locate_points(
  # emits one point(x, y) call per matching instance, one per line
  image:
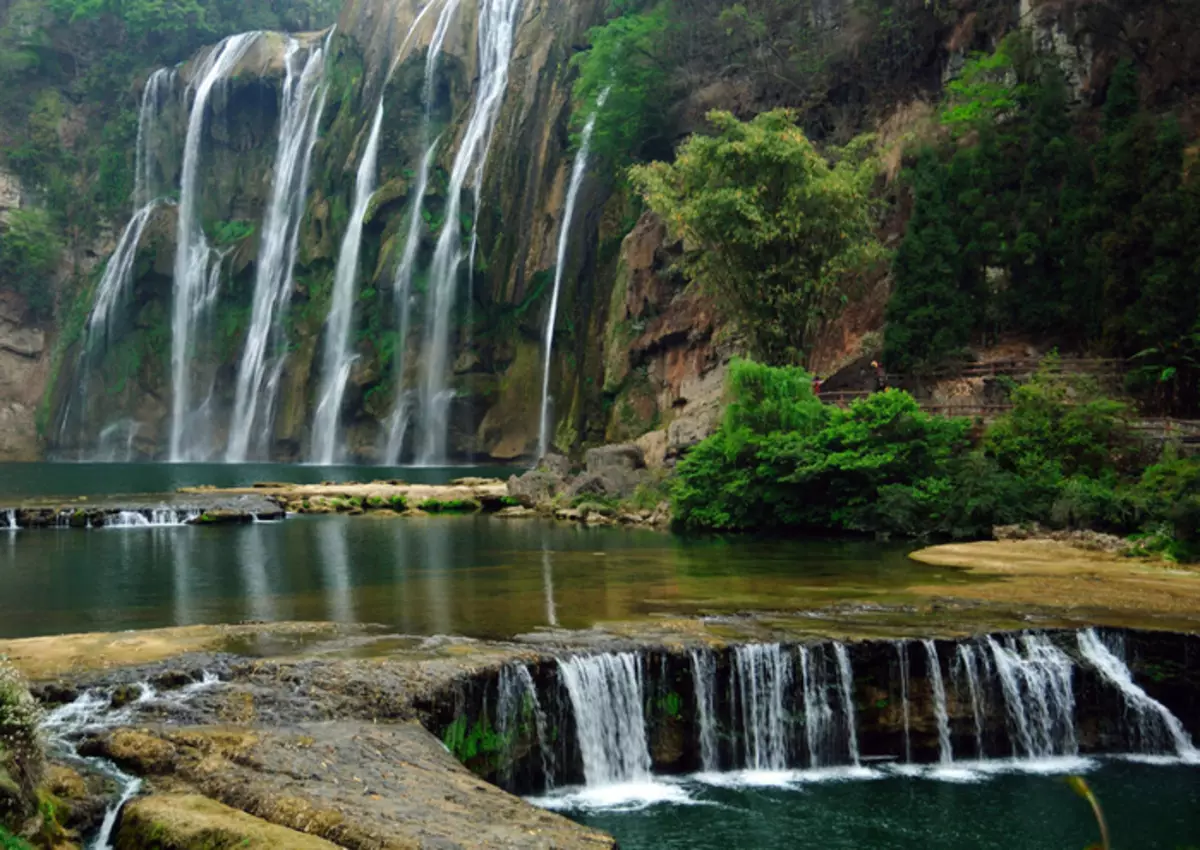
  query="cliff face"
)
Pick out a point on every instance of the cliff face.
point(635, 352)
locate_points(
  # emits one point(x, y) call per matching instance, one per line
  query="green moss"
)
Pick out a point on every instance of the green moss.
point(399, 503)
point(450, 505)
point(8, 841)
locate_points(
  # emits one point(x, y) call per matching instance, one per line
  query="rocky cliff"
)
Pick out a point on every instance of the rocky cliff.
point(636, 352)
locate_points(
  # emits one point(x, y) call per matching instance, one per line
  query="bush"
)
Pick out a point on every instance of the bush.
point(29, 253)
point(21, 754)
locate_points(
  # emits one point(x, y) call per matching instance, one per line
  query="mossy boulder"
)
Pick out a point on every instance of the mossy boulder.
point(192, 822)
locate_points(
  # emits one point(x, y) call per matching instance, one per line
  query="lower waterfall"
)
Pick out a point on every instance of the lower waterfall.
point(940, 713)
point(607, 696)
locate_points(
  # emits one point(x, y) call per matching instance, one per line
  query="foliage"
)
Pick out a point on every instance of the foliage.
point(30, 248)
point(1064, 456)
point(21, 753)
point(449, 505)
point(8, 841)
point(770, 225)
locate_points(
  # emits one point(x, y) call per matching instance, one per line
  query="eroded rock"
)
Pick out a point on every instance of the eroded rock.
point(193, 822)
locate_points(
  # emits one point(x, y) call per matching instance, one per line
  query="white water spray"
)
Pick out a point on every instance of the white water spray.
point(195, 284)
point(302, 103)
point(764, 677)
point(497, 27)
point(578, 172)
point(607, 697)
point(338, 357)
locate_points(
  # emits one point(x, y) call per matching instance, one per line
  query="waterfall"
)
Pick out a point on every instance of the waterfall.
point(945, 749)
point(1038, 695)
point(130, 786)
point(402, 285)
point(302, 103)
point(607, 699)
point(968, 667)
point(1152, 717)
point(517, 704)
point(846, 686)
point(497, 26)
point(578, 171)
point(704, 683)
point(157, 518)
point(195, 283)
point(764, 677)
point(338, 357)
point(10, 517)
point(902, 652)
point(818, 713)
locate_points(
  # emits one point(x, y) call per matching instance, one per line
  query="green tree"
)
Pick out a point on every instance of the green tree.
point(769, 225)
point(30, 248)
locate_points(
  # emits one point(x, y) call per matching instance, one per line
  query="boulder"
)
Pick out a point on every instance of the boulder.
point(555, 464)
point(535, 487)
point(192, 822)
point(619, 458)
point(27, 342)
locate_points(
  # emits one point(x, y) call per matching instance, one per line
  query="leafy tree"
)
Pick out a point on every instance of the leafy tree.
point(29, 252)
point(769, 225)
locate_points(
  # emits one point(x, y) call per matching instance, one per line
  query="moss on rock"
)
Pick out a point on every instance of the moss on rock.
point(192, 822)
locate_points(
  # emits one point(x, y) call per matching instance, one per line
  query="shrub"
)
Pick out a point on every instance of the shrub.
point(29, 252)
point(21, 754)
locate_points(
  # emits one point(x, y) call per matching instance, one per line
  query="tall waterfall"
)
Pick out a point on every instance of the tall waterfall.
point(302, 103)
point(607, 696)
point(764, 677)
point(1151, 717)
point(940, 713)
point(497, 26)
point(113, 288)
point(338, 358)
point(704, 675)
point(195, 280)
point(402, 286)
point(578, 171)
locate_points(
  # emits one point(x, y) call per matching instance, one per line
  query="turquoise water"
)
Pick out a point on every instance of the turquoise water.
point(1147, 807)
point(25, 480)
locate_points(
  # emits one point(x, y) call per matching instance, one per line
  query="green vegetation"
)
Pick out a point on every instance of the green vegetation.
point(30, 248)
point(771, 226)
point(21, 754)
point(1065, 456)
point(1020, 225)
point(445, 506)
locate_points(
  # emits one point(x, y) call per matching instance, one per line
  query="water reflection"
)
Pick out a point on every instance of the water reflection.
point(476, 576)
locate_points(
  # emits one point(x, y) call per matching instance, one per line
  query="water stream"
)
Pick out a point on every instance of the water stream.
point(940, 713)
point(196, 273)
point(607, 697)
point(338, 357)
point(704, 675)
point(497, 25)
point(578, 172)
point(302, 104)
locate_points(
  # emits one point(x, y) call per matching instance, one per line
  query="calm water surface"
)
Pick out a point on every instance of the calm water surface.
point(477, 575)
point(25, 480)
point(1148, 808)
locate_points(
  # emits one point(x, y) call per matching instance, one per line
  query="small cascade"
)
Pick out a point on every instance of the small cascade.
point(338, 357)
point(846, 687)
point(945, 749)
point(497, 27)
point(607, 698)
point(704, 684)
point(819, 732)
point(156, 518)
point(968, 670)
point(10, 521)
point(517, 705)
point(402, 285)
point(303, 102)
point(578, 172)
point(902, 652)
point(196, 275)
point(130, 787)
point(763, 679)
point(1154, 723)
point(1038, 695)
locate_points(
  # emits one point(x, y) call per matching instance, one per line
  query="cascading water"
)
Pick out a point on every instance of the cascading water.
point(846, 688)
point(607, 697)
point(819, 733)
point(942, 715)
point(1038, 695)
point(704, 676)
point(1152, 718)
point(519, 703)
point(497, 27)
point(302, 103)
point(578, 171)
point(402, 285)
point(764, 677)
point(902, 653)
point(338, 358)
point(967, 667)
point(10, 521)
point(195, 281)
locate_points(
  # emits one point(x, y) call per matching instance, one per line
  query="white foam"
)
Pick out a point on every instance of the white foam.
point(622, 797)
point(787, 778)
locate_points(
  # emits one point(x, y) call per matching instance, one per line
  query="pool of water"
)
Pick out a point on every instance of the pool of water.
point(1148, 807)
point(476, 575)
point(68, 480)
